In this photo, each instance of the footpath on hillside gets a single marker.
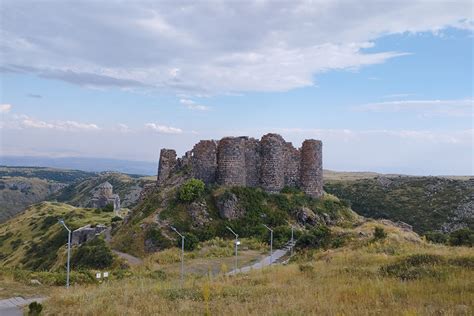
(266, 261)
(13, 306)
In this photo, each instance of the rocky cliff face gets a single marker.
(269, 163)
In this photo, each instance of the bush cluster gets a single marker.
(191, 190)
(94, 254)
(317, 237)
(379, 233)
(415, 267)
(460, 237)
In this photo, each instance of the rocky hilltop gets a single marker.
(270, 163)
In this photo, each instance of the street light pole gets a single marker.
(182, 252)
(271, 243)
(61, 221)
(292, 236)
(236, 244)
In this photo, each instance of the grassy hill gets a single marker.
(23, 186)
(426, 203)
(397, 275)
(147, 229)
(344, 264)
(128, 187)
(32, 239)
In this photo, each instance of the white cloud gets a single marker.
(210, 46)
(190, 104)
(348, 135)
(163, 129)
(26, 122)
(123, 128)
(5, 108)
(455, 108)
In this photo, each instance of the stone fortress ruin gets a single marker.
(270, 163)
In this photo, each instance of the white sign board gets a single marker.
(98, 275)
(106, 274)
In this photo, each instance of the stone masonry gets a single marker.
(269, 163)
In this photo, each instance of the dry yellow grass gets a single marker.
(344, 281)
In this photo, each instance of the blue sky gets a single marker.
(387, 88)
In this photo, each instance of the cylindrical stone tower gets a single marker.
(312, 168)
(273, 169)
(166, 165)
(204, 160)
(231, 161)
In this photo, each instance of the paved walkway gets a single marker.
(277, 255)
(13, 306)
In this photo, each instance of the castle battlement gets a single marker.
(270, 163)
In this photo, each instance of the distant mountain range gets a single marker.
(85, 164)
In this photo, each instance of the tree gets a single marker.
(462, 237)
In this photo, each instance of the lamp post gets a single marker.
(61, 221)
(182, 252)
(236, 244)
(271, 243)
(292, 236)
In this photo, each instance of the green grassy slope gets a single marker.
(149, 224)
(426, 203)
(32, 239)
(23, 186)
(398, 275)
(128, 187)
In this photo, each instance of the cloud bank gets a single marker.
(206, 47)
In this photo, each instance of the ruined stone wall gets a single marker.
(312, 168)
(272, 171)
(204, 161)
(270, 163)
(292, 161)
(231, 161)
(252, 162)
(166, 165)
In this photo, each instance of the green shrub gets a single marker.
(159, 241)
(190, 241)
(116, 219)
(436, 237)
(379, 233)
(34, 309)
(94, 254)
(108, 208)
(317, 237)
(415, 267)
(290, 190)
(191, 190)
(49, 221)
(462, 237)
